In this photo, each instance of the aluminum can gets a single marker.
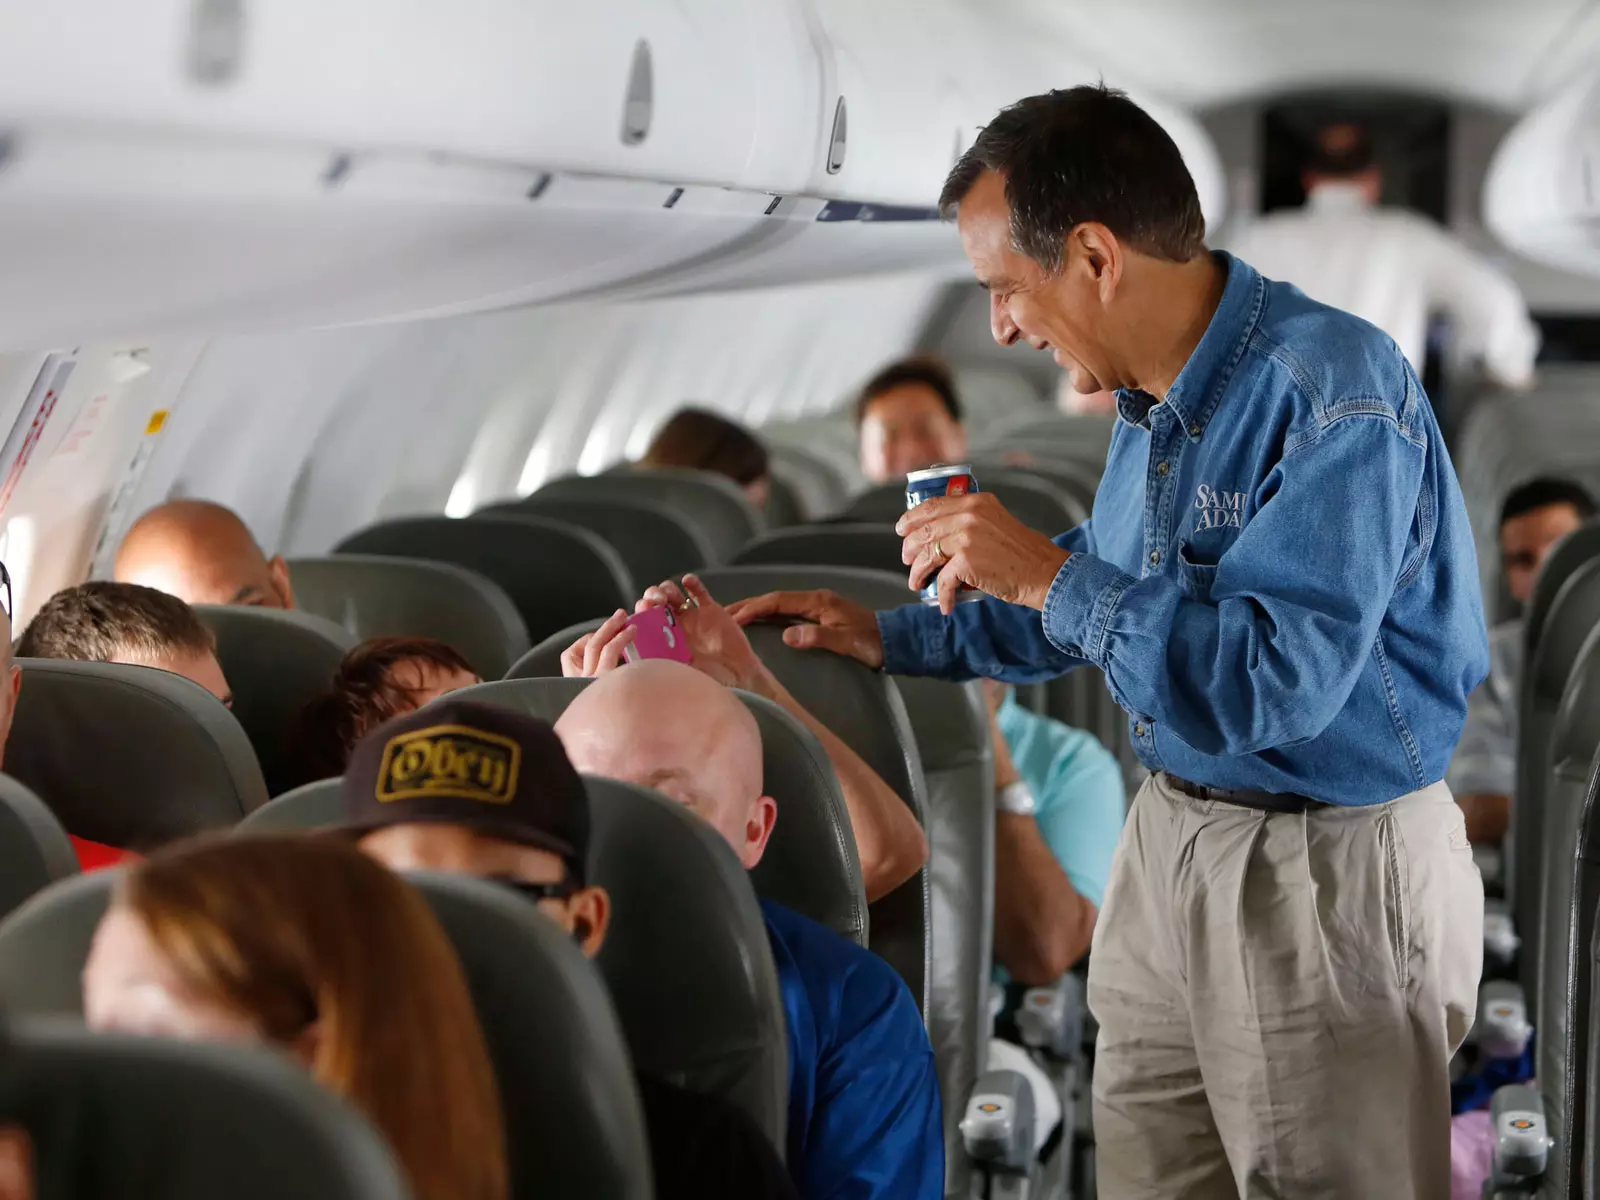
(944, 479)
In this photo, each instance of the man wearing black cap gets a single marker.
(482, 791)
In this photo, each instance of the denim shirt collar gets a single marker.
(1200, 385)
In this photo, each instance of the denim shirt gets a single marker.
(1278, 578)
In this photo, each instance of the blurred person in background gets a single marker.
(700, 440)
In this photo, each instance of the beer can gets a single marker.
(945, 479)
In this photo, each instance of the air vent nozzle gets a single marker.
(639, 105)
(216, 41)
(839, 139)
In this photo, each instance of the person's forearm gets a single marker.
(1042, 925)
(890, 843)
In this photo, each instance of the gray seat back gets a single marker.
(653, 542)
(34, 849)
(1028, 498)
(875, 547)
(1571, 615)
(375, 596)
(686, 960)
(554, 573)
(1570, 553)
(817, 484)
(950, 726)
(810, 864)
(152, 1119)
(571, 1107)
(712, 503)
(130, 756)
(275, 661)
(784, 506)
(1075, 479)
(1570, 889)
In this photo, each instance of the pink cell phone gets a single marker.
(657, 634)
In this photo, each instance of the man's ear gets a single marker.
(1096, 250)
(280, 580)
(758, 830)
(590, 909)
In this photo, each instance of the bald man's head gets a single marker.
(202, 553)
(667, 726)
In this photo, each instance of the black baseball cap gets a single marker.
(497, 772)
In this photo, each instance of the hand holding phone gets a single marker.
(657, 634)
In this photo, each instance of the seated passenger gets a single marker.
(889, 840)
(204, 554)
(537, 843)
(864, 1116)
(124, 623)
(1483, 773)
(377, 680)
(909, 417)
(308, 945)
(704, 441)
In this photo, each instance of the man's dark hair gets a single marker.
(1340, 148)
(705, 441)
(931, 373)
(1546, 492)
(1085, 154)
(102, 621)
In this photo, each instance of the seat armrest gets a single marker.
(1051, 1018)
(1521, 1138)
(997, 1128)
(1502, 1029)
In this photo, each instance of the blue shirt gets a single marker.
(1077, 785)
(1278, 578)
(864, 1115)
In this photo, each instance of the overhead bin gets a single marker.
(1541, 196)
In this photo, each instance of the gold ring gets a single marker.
(938, 549)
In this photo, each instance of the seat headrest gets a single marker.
(153, 1119)
(373, 596)
(275, 661)
(555, 574)
(1028, 498)
(552, 1034)
(34, 849)
(653, 542)
(810, 864)
(130, 756)
(712, 503)
(784, 505)
(1570, 553)
(687, 958)
(872, 546)
(1572, 613)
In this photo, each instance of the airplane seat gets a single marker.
(153, 1119)
(1086, 433)
(554, 573)
(275, 660)
(784, 505)
(875, 547)
(131, 757)
(686, 960)
(653, 542)
(565, 1083)
(1077, 479)
(1028, 498)
(810, 864)
(374, 596)
(34, 849)
(816, 483)
(713, 503)
(1568, 617)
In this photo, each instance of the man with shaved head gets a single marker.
(864, 1116)
(202, 553)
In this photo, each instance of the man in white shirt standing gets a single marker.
(1392, 267)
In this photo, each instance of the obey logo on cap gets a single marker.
(449, 760)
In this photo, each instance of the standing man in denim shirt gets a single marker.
(1278, 581)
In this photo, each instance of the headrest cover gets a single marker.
(499, 772)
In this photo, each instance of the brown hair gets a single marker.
(362, 695)
(101, 621)
(704, 441)
(925, 370)
(291, 930)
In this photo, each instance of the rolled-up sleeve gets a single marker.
(1262, 647)
(985, 637)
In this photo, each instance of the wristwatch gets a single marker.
(1016, 798)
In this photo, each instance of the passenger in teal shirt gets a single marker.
(1051, 865)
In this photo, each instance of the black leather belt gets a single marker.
(1277, 802)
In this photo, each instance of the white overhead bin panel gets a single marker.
(714, 91)
(1542, 194)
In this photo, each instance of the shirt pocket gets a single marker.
(1195, 575)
